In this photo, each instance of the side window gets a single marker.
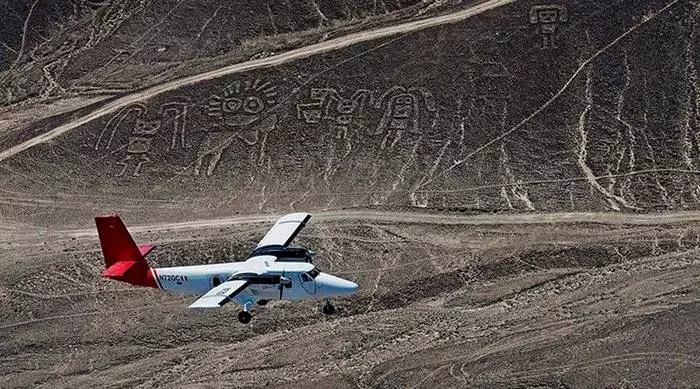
(306, 278)
(216, 281)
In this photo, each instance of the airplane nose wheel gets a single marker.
(328, 308)
(244, 317)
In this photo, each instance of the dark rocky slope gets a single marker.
(489, 114)
(58, 48)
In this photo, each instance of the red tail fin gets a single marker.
(117, 244)
(124, 260)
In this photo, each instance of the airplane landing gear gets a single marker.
(244, 317)
(328, 308)
(263, 302)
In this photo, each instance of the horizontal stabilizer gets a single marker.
(118, 270)
(145, 249)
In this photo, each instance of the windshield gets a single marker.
(314, 272)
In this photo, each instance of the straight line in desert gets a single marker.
(292, 55)
(424, 218)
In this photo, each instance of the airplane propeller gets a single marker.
(283, 281)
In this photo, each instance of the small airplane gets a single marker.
(273, 271)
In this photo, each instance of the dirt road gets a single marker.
(415, 217)
(303, 52)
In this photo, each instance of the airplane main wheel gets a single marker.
(263, 302)
(328, 308)
(244, 317)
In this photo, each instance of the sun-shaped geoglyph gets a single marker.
(243, 99)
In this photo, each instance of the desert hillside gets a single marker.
(514, 186)
(595, 111)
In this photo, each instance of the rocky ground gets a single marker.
(513, 185)
(463, 304)
(54, 48)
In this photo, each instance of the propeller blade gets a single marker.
(281, 286)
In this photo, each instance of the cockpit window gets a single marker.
(305, 277)
(314, 272)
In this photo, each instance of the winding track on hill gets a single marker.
(292, 55)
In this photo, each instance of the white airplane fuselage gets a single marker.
(197, 280)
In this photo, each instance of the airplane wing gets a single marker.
(221, 294)
(284, 230)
